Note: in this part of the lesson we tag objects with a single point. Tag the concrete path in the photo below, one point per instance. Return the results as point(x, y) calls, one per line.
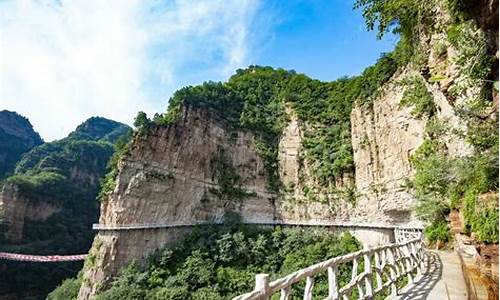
point(442, 279)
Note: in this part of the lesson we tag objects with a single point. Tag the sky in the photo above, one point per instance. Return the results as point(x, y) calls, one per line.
point(62, 62)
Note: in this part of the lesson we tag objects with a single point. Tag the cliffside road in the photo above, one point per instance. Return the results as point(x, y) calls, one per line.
point(443, 279)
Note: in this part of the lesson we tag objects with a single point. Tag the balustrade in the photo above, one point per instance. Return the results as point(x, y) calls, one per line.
point(372, 272)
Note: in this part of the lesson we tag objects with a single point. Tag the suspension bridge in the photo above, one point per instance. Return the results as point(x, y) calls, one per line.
point(40, 258)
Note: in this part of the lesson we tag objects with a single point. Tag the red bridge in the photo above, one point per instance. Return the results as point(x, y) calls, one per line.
point(40, 258)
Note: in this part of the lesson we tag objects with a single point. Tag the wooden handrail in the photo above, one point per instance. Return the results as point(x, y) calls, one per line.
point(400, 259)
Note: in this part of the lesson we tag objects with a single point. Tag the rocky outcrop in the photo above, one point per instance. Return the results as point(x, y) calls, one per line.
point(17, 209)
point(179, 173)
point(383, 138)
point(172, 175)
point(302, 198)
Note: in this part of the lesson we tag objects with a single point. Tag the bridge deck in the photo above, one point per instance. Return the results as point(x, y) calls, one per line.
point(442, 280)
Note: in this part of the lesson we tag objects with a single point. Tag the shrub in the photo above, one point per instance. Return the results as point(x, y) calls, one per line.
point(437, 231)
point(417, 96)
point(68, 290)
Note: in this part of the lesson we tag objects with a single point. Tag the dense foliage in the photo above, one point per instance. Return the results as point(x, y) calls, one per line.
point(63, 174)
point(68, 290)
point(16, 138)
point(220, 262)
point(443, 182)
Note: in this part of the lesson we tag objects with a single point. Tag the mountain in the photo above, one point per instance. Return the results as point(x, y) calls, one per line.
point(404, 143)
point(49, 204)
point(16, 138)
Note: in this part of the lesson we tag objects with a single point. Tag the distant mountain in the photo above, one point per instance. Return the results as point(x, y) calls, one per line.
point(49, 204)
point(16, 137)
point(98, 128)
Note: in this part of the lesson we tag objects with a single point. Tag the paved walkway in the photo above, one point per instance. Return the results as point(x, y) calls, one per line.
point(442, 279)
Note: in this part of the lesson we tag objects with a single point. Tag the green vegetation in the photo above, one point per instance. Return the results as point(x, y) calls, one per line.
point(417, 96)
point(67, 290)
point(410, 19)
point(474, 62)
point(16, 138)
point(108, 182)
point(220, 262)
point(64, 174)
point(437, 231)
point(443, 182)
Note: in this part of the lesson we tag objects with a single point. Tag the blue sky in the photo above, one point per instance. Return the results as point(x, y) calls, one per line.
point(65, 61)
point(325, 39)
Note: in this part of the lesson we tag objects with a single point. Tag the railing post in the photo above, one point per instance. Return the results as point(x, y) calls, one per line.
point(354, 268)
point(354, 275)
point(378, 263)
point(408, 263)
point(368, 277)
point(309, 288)
point(285, 293)
point(332, 283)
point(414, 258)
point(262, 285)
point(392, 264)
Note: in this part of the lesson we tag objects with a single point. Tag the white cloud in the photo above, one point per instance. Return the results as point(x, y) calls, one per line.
point(62, 62)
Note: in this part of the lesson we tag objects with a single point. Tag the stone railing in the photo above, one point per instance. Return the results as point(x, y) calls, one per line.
point(383, 267)
point(402, 235)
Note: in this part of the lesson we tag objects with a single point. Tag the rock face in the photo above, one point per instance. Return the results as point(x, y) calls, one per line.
point(383, 138)
point(16, 137)
point(184, 186)
point(17, 209)
point(295, 174)
point(172, 175)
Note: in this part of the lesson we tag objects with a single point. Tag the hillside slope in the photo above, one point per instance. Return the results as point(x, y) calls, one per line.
point(16, 138)
point(49, 204)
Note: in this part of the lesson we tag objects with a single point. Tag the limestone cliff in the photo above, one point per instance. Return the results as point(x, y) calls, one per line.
point(172, 175)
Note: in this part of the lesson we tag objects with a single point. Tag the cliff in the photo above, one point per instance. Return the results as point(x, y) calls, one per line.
point(276, 145)
point(16, 137)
